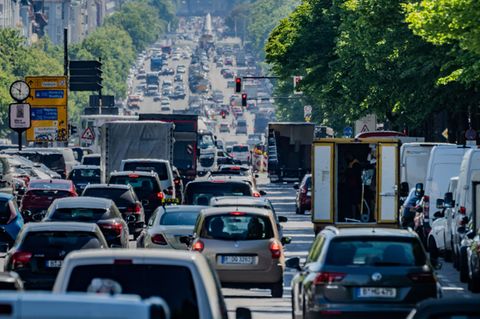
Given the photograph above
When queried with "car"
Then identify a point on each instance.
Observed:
(199, 192)
(241, 127)
(147, 186)
(362, 272)
(168, 225)
(178, 78)
(101, 211)
(11, 220)
(10, 280)
(54, 160)
(303, 199)
(157, 97)
(91, 159)
(243, 245)
(241, 152)
(466, 308)
(82, 175)
(224, 128)
(185, 280)
(41, 193)
(181, 69)
(126, 200)
(41, 247)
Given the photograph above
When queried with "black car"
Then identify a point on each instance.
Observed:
(147, 186)
(101, 211)
(82, 175)
(362, 273)
(126, 200)
(41, 247)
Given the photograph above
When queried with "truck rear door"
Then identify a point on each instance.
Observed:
(323, 183)
(388, 176)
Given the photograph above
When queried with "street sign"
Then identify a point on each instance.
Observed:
(348, 131)
(48, 100)
(366, 124)
(85, 75)
(19, 116)
(88, 134)
(296, 83)
(107, 100)
(445, 133)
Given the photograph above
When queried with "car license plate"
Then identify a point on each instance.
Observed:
(376, 292)
(54, 263)
(238, 260)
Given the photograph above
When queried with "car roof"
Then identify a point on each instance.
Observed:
(139, 173)
(86, 167)
(371, 231)
(115, 186)
(179, 208)
(150, 160)
(240, 201)
(163, 255)
(223, 210)
(83, 201)
(60, 226)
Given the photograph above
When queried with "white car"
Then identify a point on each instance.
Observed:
(241, 152)
(168, 225)
(169, 274)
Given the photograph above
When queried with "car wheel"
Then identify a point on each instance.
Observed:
(277, 290)
(463, 264)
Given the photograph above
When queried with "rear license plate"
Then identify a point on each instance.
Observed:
(376, 292)
(238, 260)
(54, 263)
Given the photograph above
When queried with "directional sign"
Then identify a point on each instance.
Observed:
(48, 100)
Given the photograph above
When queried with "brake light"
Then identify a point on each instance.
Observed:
(328, 277)
(137, 209)
(160, 195)
(20, 259)
(159, 239)
(198, 246)
(462, 210)
(116, 227)
(133, 175)
(237, 213)
(177, 181)
(275, 249)
(256, 194)
(424, 278)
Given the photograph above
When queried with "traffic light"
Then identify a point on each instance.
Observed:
(85, 75)
(244, 99)
(238, 85)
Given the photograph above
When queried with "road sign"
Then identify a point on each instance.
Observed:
(296, 83)
(366, 124)
(307, 110)
(445, 133)
(348, 131)
(19, 116)
(85, 75)
(48, 100)
(88, 134)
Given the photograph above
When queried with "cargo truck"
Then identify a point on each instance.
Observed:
(185, 147)
(355, 182)
(289, 148)
(134, 139)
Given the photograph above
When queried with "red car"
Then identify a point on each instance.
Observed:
(303, 200)
(41, 193)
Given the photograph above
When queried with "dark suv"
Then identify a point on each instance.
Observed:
(362, 273)
(146, 185)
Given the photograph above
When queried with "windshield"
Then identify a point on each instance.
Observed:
(91, 160)
(141, 184)
(237, 226)
(179, 218)
(237, 148)
(79, 214)
(206, 141)
(200, 193)
(55, 241)
(158, 167)
(49, 186)
(87, 175)
(118, 195)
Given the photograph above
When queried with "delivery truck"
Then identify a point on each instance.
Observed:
(123, 140)
(355, 182)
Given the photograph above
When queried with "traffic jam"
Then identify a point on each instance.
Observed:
(195, 202)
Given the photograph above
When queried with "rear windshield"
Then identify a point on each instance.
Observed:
(141, 184)
(118, 195)
(146, 281)
(200, 193)
(179, 218)
(183, 155)
(79, 214)
(54, 193)
(86, 174)
(93, 160)
(55, 162)
(50, 186)
(241, 123)
(375, 252)
(240, 148)
(237, 227)
(157, 167)
(55, 241)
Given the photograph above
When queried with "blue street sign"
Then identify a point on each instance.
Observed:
(348, 131)
(44, 114)
(49, 94)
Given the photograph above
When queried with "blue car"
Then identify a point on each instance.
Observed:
(11, 221)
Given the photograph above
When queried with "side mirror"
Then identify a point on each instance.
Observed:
(404, 189)
(448, 200)
(470, 234)
(130, 219)
(440, 203)
(243, 313)
(263, 193)
(286, 240)
(461, 230)
(438, 214)
(296, 186)
(293, 263)
(282, 219)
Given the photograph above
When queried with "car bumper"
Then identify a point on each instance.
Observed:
(368, 310)
(32, 281)
(251, 278)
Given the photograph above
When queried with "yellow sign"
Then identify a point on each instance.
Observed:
(48, 98)
(445, 133)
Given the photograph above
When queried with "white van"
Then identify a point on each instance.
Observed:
(35, 305)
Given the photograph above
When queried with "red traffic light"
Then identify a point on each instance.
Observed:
(244, 99)
(238, 85)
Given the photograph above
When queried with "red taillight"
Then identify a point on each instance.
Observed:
(133, 175)
(72, 194)
(20, 259)
(256, 194)
(160, 195)
(424, 278)
(198, 246)
(275, 249)
(137, 209)
(462, 210)
(159, 239)
(116, 227)
(177, 181)
(328, 277)
(237, 213)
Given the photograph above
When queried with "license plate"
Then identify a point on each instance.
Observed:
(376, 292)
(54, 263)
(238, 260)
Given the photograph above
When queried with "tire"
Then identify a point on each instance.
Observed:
(277, 290)
(463, 265)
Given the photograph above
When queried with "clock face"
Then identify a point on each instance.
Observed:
(19, 90)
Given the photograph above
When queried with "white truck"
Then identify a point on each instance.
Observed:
(123, 140)
(355, 182)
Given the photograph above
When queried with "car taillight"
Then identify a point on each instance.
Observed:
(137, 209)
(177, 181)
(462, 210)
(20, 259)
(198, 246)
(275, 249)
(116, 227)
(159, 239)
(328, 277)
(424, 278)
(160, 195)
(256, 194)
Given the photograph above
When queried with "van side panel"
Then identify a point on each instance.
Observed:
(323, 181)
(387, 183)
